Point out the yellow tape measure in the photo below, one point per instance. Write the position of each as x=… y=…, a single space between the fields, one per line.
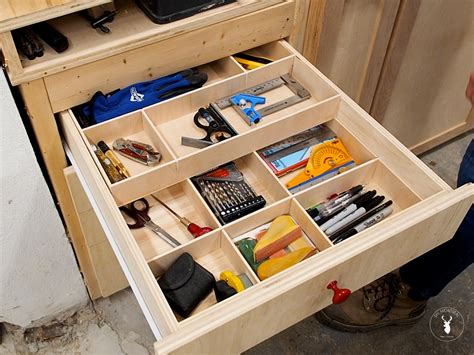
x=232 y=280
x=324 y=157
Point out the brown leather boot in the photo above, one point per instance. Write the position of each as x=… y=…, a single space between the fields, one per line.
x=383 y=302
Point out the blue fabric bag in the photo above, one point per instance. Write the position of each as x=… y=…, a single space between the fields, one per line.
x=134 y=97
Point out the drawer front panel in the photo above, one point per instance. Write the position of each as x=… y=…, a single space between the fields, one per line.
x=242 y=323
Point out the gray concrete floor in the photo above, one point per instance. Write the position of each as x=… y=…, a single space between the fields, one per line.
x=116 y=325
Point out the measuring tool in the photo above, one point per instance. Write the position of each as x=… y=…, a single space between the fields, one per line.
x=293 y=153
x=138 y=211
x=325 y=157
x=137 y=151
x=193 y=228
x=214 y=124
x=320 y=131
x=244 y=102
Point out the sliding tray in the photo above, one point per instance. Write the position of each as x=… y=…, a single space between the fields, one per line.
x=426 y=213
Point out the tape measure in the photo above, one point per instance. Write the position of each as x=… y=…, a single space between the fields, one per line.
x=324 y=157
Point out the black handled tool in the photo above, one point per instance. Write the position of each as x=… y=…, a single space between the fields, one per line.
x=51 y=36
x=99 y=23
x=214 y=124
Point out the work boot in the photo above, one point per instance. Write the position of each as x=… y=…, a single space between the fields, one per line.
x=383 y=302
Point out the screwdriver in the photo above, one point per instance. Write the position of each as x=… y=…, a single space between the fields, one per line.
x=193 y=228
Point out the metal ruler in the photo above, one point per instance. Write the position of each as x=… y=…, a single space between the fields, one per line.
x=253 y=116
x=255 y=90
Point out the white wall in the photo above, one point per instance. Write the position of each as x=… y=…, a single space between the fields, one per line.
x=39 y=277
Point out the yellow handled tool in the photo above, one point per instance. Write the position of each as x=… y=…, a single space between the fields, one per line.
x=324 y=157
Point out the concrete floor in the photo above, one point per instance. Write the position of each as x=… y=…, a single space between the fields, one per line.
x=116 y=325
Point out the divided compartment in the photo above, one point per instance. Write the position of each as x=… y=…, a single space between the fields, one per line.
x=260 y=179
x=220 y=69
x=273 y=50
x=216 y=253
x=134 y=126
x=374 y=175
x=237 y=229
x=356 y=149
x=186 y=202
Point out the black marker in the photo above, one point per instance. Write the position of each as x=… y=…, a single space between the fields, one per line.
x=336 y=204
x=369 y=222
x=358 y=202
x=354 y=215
x=360 y=220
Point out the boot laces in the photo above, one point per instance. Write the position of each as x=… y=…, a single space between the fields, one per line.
x=383 y=292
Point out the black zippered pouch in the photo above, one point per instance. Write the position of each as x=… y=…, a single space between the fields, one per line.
x=185 y=284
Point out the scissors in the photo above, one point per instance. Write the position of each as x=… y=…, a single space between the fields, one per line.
x=138 y=211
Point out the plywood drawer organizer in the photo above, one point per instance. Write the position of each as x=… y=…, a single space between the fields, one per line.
x=426 y=210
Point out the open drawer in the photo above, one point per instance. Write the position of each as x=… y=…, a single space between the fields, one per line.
x=426 y=210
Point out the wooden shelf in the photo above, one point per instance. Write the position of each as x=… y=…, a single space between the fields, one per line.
x=16 y=14
x=131 y=29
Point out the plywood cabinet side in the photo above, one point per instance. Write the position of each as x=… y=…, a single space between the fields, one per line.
x=47 y=135
x=420 y=97
x=347 y=40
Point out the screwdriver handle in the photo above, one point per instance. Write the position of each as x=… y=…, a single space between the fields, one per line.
x=197 y=231
x=194 y=229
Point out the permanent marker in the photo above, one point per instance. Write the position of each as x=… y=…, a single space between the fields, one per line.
x=338 y=203
x=376 y=218
x=321 y=208
x=360 y=220
x=357 y=203
x=353 y=216
x=330 y=212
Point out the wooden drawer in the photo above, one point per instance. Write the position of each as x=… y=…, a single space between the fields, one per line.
x=426 y=210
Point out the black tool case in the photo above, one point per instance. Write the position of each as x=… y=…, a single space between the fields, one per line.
x=165 y=11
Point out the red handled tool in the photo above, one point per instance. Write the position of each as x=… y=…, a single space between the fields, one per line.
x=193 y=228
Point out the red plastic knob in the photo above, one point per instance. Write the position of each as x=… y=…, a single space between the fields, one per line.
x=340 y=294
